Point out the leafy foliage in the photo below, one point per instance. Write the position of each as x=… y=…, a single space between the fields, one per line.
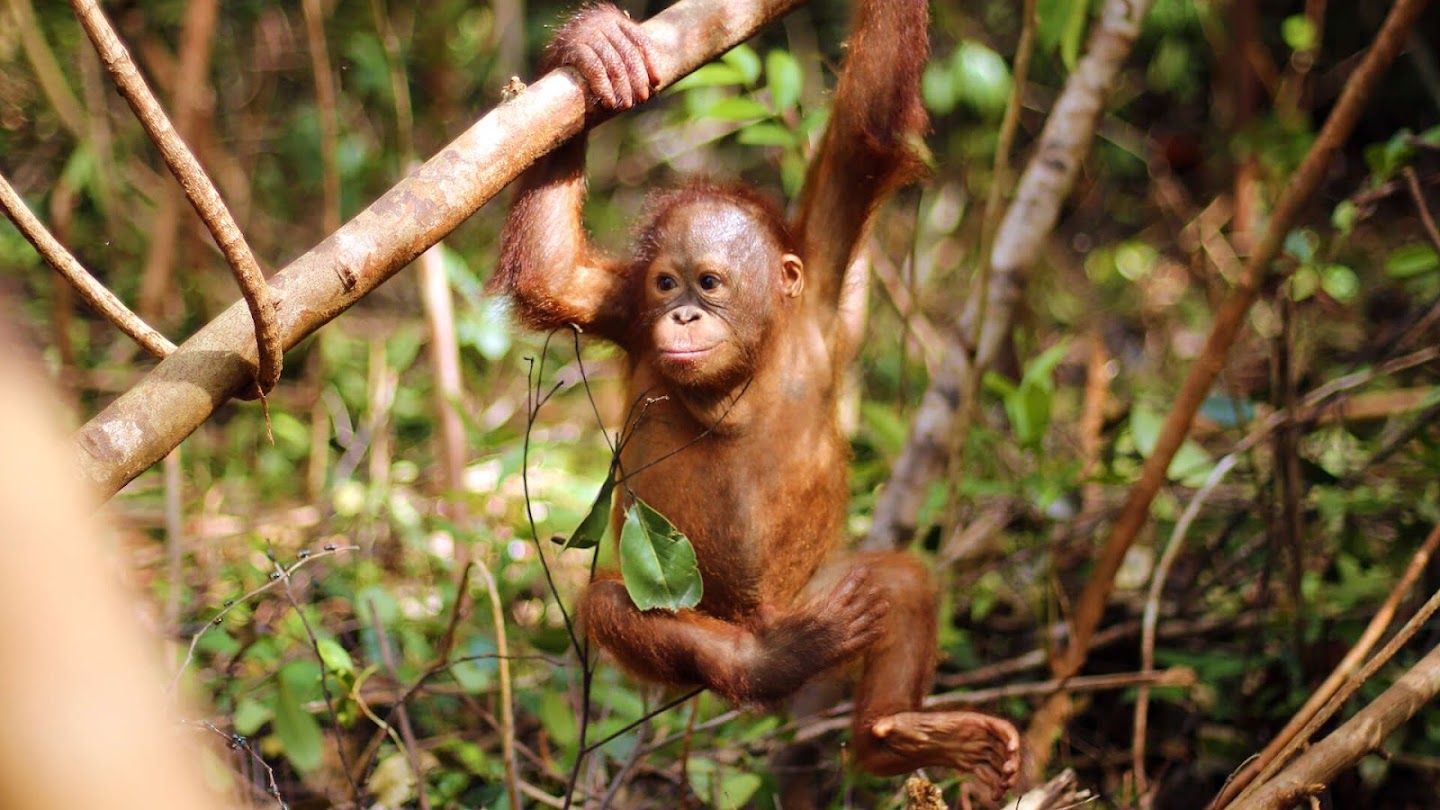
x=1148 y=245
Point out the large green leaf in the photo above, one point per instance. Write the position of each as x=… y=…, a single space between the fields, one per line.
x=657 y=561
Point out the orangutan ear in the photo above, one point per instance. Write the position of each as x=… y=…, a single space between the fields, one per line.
x=792 y=275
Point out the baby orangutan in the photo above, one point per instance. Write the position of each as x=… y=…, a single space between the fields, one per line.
x=736 y=327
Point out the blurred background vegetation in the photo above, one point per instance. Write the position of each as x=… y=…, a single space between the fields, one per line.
x=1216 y=108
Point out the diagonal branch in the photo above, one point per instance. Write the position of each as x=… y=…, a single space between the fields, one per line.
x=95 y=294
x=150 y=419
x=198 y=187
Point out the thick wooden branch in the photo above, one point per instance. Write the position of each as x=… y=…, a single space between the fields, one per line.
x=152 y=418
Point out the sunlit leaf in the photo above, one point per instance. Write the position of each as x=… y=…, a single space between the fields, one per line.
x=715 y=74
x=766 y=134
x=336 y=659
x=937 y=88
x=744 y=59
x=657 y=561
x=1344 y=216
x=1299 y=33
x=1411 y=260
x=1190 y=465
x=737 y=108
x=982 y=79
x=784 y=78
x=1340 y=282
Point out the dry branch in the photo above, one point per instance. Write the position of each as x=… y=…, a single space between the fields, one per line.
x=1048 y=178
x=196 y=184
x=146 y=422
x=1091 y=604
x=1338 y=678
x=94 y=293
x=1360 y=735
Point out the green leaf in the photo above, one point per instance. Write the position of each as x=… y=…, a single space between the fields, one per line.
x=1409 y=261
x=1344 y=216
x=1340 y=282
x=1298 y=32
x=937 y=88
x=736 y=108
x=657 y=561
x=744 y=59
x=784 y=78
x=298 y=732
x=1304 y=282
x=1074 y=32
x=1043 y=367
x=1302 y=243
x=592 y=529
x=766 y=134
x=557 y=716
x=1190 y=465
x=715 y=74
x=736 y=788
x=982 y=79
x=337 y=660
x=1226 y=411
x=1029 y=411
x=250 y=715
x=722 y=785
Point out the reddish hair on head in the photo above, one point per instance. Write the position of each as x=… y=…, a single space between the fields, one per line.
x=761 y=207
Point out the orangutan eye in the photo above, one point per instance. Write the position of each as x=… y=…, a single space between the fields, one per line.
x=665 y=283
x=709 y=282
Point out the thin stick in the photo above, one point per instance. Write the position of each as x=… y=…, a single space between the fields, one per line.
x=95 y=294
x=197 y=185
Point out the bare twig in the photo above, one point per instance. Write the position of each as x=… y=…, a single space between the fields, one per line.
x=837 y=717
x=95 y=294
x=241 y=743
x=198 y=189
x=1091 y=604
x=230 y=605
x=197 y=37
